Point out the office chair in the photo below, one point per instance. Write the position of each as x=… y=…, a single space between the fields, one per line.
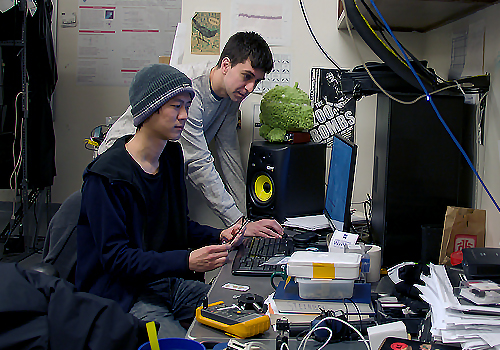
x=59 y=251
x=60 y=247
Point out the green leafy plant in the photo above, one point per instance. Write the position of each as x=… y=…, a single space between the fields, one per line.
x=284 y=109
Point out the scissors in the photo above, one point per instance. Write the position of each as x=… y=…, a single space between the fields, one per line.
x=246 y=221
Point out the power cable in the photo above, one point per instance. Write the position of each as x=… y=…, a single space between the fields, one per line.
x=314 y=37
x=16 y=162
x=317 y=327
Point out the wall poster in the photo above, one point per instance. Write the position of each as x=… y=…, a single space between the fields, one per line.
x=116 y=38
x=280 y=74
x=334 y=110
x=205 y=33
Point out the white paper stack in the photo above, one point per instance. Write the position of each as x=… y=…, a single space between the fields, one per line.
x=474 y=327
x=310 y=222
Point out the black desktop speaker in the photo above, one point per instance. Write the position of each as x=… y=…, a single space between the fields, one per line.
x=285 y=180
x=418 y=171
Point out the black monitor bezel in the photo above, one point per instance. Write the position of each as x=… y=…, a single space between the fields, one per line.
x=350 y=184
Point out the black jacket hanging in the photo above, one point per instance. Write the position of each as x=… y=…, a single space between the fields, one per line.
x=42 y=78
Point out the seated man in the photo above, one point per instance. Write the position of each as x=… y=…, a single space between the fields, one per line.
x=220 y=89
x=135 y=242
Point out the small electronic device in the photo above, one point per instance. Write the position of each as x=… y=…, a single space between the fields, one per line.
x=480 y=292
x=304 y=238
x=482 y=263
x=283 y=330
x=393 y=343
x=237 y=287
x=338 y=330
x=234 y=320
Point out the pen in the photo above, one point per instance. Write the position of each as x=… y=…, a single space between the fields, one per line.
x=242 y=227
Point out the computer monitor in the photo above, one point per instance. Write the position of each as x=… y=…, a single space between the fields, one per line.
x=340 y=183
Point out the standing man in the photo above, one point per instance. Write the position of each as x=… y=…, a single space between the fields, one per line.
x=243 y=63
x=136 y=244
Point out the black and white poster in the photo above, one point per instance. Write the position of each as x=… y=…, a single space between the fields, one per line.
x=333 y=109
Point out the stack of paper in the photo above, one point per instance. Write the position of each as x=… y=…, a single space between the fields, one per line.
x=311 y=222
x=454 y=321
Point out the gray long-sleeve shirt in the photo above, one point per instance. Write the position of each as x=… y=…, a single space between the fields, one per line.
x=209 y=120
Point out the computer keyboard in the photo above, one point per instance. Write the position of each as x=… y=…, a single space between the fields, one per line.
x=255 y=250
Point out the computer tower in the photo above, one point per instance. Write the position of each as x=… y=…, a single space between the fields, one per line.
x=418 y=172
x=285 y=180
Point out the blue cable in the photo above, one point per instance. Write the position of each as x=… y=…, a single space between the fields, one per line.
x=429 y=98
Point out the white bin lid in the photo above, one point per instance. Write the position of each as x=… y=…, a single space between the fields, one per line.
x=340 y=260
x=324 y=265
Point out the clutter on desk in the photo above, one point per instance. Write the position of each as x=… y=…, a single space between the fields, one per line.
x=319 y=282
x=393 y=271
x=324 y=288
x=309 y=222
x=325 y=280
x=390 y=301
x=335 y=331
x=375 y=255
x=323 y=275
x=455 y=320
x=287 y=299
x=403 y=343
x=396 y=298
x=307 y=264
x=234 y=344
x=481 y=263
x=398 y=312
x=480 y=292
x=253 y=302
x=335 y=281
x=377 y=334
x=242 y=320
x=236 y=287
x=340 y=239
x=327 y=327
x=463 y=228
x=277 y=260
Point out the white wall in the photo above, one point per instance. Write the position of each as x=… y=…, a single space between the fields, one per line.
x=78 y=109
x=437 y=51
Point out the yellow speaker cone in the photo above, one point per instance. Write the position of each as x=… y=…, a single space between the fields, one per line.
x=263 y=188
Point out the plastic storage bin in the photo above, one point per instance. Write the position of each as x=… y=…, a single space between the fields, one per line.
x=318 y=288
x=329 y=265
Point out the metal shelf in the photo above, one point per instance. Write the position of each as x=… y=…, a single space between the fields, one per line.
x=418 y=15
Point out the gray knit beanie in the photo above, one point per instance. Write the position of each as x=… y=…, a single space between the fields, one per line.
x=153 y=86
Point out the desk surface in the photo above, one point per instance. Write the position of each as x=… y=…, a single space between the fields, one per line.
x=260 y=286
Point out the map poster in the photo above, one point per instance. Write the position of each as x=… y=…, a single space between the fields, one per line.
x=205 y=33
x=333 y=109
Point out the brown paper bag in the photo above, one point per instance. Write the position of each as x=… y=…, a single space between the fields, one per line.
x=463 y=228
